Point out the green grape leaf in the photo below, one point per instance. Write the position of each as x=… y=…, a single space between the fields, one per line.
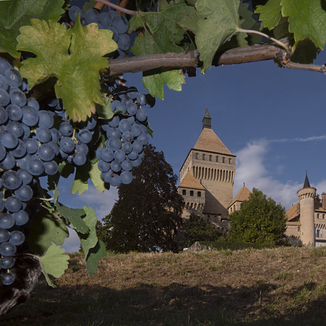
x=162 y=34
x=66 y=169
x=54 y=262
x=88 y=5
x=305 y=52
x=46 y=229
x=218 y=22
x=270 y=13
x=15 y=14
x=94 y=256
x=74 y=56
x=281 y=29
x=307 y=18
x=75 y=216
x=89 y=240
x=85 y=172
x=154 y=83
x=105 y=112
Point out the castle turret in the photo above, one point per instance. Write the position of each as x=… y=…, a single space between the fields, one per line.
x=306 y=197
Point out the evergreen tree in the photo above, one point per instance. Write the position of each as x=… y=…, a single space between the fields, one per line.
x=148 y=212
x=259 y=220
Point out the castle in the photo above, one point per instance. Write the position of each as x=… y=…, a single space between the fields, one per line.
x=307 y=218
x=207 y=177
x=206 y=185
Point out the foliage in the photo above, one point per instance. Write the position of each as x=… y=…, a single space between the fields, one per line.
x=197 y=229
x=259 y=220
x=148 y=212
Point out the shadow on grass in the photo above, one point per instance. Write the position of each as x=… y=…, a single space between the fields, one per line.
x=175 y=304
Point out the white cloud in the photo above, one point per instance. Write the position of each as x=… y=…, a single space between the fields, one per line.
x=72 y=243
x=251 y=170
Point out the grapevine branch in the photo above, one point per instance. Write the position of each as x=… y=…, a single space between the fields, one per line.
x=189 y=59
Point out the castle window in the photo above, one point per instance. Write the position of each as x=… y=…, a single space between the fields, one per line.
x=223 y=159
x=230 y=160
x=298 y=228
x=216 y=158
x=198 y=194
x=318 y=216
x=196 y=156
x=317 y=233
x=203 y=157
x=323 y=216
x=191 y=192
x=184 y=192
x=210 y=157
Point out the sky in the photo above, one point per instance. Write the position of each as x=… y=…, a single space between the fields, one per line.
x=271 y=118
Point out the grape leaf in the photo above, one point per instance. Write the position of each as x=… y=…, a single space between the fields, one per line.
x=89 y=240
x=307 y=18
x=15 y=14
x=46 y=229
x=54 y=262
x=270 y=13
x=218 y=21
x=162 y=35
x=94 y=256
x=85 y=172
x=74 y=56
x=75 y=216
x=154 y=83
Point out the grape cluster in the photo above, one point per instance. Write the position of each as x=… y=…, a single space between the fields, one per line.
x=106 y=20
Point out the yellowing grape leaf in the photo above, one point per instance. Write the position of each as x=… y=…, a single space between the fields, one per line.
x=74 y=56
x=218 y=21
x=15 y=14
x=307 y=18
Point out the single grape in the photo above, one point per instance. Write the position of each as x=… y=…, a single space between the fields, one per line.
x=4 y=235
x=120 y=23
x=20 y=150
x=45 y=119
x=6 y=221
x=85 y=136
x=13 y=77
x=46 y=152
x=127 y=147
x=103 y=166
x=11 y=180
x=7 y=262
x=24 y=193
x=126 y=165
x=15 y=128
x=82 y=148
x=124 y=42
x=20 y=218
x=91 y=16
x=30 y=116
x=73 y=13
x=141 y=115
x=35 y=167
x=51 y=168
x=67 y=145
x=43 y=134
x=114 y=122
x=8 y=162
x=17 y=97
x=33 y=103
x=31 y=145
x=25 y=176
x=66 y=129
x=16 y=238
x=7 y=278
x=4 y=65
x=13 y=204
x=15 y=113
x=126 y=177
x=80 y=159
x=124 y=125
x=106 y=155
x=115 y=166
x=114 y=143
x=119 y=156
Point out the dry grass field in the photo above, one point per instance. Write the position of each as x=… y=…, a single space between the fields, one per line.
x=283 y=286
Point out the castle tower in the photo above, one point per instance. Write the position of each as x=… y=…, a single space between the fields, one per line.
x=213 y=166
x=306 y=197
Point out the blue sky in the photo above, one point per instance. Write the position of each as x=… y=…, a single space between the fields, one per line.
x=272 y=118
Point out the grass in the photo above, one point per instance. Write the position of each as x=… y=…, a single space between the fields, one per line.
x=274 y=286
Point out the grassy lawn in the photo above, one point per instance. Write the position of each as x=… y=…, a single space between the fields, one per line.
x=282 y=286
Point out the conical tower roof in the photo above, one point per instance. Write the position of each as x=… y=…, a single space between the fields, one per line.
x=306 y=182
x=189 y=181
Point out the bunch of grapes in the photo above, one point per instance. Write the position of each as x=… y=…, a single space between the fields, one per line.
x=106 y=20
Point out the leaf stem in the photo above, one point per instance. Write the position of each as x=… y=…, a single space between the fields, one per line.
x=126 y=11
x=60 y=219
x=284 y=46
x=46 y=199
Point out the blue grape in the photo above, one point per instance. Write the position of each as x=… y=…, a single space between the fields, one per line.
x=24 y=193
x=103 y=166
x=120 y=23
x=20 y=218
x=16 y=238
x=124 y=125
x=126 y=165
x=14 y=112
x=11 y=180
x=73 y=12
x=13 y=204
x=119 y=156
x=4 y=235
x=141 y=99
x=114 y=122
x=126 y=177
x=115 y=166
x=127 y=147
x=15 y=128
x=46 y=152
x=124 y=42
x=91 y=16
x=45 y=119
x=3 y=115
x=80 y=159
x=66 y=129
x=132 y=108
x=30 y=116
x=7 y=278
x=4 y=65
x=137 y=146
x=4 y=97
x=43 y=134
x=114 y=143
x=20 y=150
x=33 y=103
x=7 y=262
x=83 y=148
x=135 y=130
x=13 y=77
x=141 y=115
x=7 y=249
x=8 y=163
x=51 y=168
x=6 y=221
x=67 y=145
x=106 y=155
x=85 y=136
x=35 y=167
x=17 y=97
x=31 y=145
x=25 y=176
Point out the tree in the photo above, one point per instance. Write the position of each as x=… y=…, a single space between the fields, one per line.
x=197 y=229
x=65 y=59
x=259 y=220
x=148 y=212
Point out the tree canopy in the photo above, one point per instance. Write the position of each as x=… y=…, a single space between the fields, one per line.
x=259 y=220
x=148 y=212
